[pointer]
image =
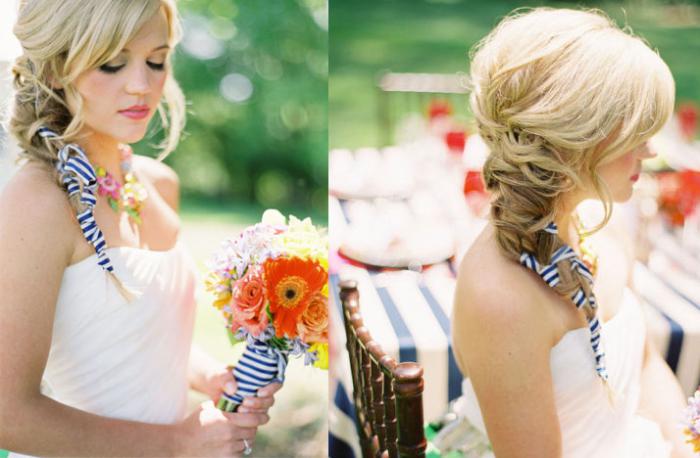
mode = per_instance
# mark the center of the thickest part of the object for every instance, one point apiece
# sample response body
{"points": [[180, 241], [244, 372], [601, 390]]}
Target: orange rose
{"points": [[248, 303], [313, 324]]}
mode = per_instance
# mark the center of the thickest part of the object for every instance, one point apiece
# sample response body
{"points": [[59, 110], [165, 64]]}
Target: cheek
{"points": [[96, 90], [159, 82]]}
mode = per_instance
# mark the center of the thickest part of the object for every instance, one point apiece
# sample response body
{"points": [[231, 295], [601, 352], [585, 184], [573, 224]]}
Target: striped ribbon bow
{"points": [[259, 366], [550, 275], [75, 169]]}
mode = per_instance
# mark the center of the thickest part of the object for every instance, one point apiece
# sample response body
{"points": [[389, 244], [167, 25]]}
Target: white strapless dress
{"points": [[119, 359], [590, 425]]}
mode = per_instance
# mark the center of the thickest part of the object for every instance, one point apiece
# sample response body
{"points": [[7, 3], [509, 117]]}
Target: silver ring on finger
{"points": [[248, 449]]}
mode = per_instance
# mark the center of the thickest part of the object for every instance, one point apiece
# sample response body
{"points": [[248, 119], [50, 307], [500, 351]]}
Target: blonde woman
{"points": [[551, 340], [97, 295]]}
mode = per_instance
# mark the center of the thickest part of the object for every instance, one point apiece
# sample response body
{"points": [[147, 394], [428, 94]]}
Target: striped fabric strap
{"points": [[75, 169], [550, 275], [259, 366]]}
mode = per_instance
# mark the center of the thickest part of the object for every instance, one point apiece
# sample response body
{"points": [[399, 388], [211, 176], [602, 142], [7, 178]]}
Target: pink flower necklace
{"points": [[129, 196]]}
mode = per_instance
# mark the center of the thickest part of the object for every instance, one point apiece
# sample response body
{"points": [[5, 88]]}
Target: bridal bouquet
{"points": [[692, 416], [270, 283]]}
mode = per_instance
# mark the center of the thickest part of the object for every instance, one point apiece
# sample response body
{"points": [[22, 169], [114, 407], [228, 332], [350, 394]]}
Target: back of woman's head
{"points": [[557, 93], [61, 40]]}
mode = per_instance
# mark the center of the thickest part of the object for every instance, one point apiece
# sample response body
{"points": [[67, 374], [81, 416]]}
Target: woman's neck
{"points": [[103, 151], [567, 229]]}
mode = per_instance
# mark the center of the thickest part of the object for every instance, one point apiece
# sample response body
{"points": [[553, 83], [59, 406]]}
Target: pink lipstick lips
{"points": [[136, 112]]}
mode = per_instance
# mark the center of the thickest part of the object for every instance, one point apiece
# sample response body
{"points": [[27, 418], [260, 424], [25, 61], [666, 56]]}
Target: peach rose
{"points": [[313, 323], [248, 303]]}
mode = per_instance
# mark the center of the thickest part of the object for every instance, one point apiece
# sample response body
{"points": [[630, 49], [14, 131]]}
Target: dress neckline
{"points": [[604, 325], [121, 249]]}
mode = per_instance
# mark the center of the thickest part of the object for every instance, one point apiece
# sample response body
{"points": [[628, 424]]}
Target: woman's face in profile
{"points": [[621, 174], [121, 96]]}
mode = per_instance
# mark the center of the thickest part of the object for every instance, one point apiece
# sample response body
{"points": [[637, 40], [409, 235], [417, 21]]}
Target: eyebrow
{"points": [[125, 49]]}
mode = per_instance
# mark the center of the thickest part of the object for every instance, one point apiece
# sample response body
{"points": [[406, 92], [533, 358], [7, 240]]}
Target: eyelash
{"points": [[114, 69]]}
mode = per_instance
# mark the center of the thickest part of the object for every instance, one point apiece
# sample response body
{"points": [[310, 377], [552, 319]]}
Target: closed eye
{"points": [[111, 68], [156, 66]]}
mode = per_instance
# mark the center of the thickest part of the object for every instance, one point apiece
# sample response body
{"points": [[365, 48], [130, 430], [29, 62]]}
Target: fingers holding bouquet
{"points": [[223, 382], [210, 432]]}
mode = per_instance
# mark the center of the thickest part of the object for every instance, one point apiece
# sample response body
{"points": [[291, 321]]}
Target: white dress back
{"points": [[120, 359], [590, 425]]}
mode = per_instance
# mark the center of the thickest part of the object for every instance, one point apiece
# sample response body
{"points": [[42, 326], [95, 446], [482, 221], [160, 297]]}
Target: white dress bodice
{"points": [[121, 359], [592, 426]]}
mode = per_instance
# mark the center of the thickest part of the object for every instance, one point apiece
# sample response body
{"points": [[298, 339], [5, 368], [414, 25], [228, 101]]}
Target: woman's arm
{"points": [[37, 235], [500, 341], [662, 399]]}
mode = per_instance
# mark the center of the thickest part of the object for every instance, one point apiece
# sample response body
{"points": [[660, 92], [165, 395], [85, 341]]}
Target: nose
{"points": [[138, 82], [646, 151]]}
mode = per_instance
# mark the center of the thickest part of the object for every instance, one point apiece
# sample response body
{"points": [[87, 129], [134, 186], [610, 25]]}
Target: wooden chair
{"points": [[388, 396]]}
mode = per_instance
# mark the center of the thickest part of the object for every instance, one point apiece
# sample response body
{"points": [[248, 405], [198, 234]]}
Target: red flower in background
{"points": [[688, 118], [679, 195], [473, 183], [456, 140], [439, 108]]}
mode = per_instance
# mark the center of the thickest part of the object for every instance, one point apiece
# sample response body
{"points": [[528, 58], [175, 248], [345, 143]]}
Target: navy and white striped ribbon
{"points": [[550, 275], [75, 169], [259, 366]]}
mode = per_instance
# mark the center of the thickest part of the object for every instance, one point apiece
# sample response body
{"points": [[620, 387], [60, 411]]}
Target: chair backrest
{"points": [[388, 396], [401, 93]]}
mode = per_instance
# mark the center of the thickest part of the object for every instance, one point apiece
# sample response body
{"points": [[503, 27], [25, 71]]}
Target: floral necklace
{"points": [[588, 254], [129, 196]]}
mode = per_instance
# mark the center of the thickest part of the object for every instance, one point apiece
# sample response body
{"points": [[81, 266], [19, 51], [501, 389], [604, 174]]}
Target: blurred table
{"points": [[408, 313]]}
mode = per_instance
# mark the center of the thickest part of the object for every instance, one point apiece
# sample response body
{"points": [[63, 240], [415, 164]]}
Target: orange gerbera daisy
{"points": [[291, 283]]}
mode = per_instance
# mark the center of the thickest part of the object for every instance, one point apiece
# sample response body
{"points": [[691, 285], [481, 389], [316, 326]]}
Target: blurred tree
{"points": [[255, 78]]}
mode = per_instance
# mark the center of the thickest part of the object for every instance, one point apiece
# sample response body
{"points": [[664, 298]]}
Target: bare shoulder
{"points": [[38, 234], [496, 296], [33, 208], [161, 176]]}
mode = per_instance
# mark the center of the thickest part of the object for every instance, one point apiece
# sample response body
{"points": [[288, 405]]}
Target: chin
{"points": [[622, 196], [133, 135]]}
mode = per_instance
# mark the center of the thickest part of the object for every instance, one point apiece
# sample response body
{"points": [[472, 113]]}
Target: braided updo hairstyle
{"points": [[62, 39], [556, 93]]}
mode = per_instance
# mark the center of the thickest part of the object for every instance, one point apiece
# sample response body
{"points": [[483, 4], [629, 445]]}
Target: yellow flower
{"points": [[303, 240], [321, 350], [217, 285]]}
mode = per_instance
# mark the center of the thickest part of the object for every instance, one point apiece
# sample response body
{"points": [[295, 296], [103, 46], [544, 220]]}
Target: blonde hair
{"points": [[556, 93], [62, 39]]}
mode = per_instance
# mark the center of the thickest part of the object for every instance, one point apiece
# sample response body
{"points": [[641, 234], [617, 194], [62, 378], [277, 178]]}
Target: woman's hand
{"points": [[210, 432], [222, 381], [217, 382]]}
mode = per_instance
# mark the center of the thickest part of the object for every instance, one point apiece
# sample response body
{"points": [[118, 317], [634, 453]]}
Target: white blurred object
{"points": [[370, 173], [390, 234], [411, 128], [9, 46], [475, 153], [673, 149]]}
